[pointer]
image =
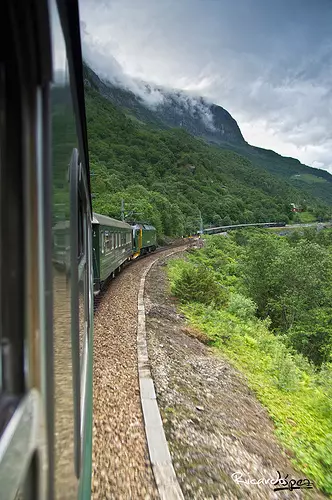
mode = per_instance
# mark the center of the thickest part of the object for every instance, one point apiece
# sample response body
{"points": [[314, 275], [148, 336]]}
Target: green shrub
{"points": [[313, 337], [285, 372], [241, 306], [197, 283]]}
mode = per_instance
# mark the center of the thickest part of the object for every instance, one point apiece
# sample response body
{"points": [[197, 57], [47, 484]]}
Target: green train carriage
{"points": [[112, 247], [46, 288]]}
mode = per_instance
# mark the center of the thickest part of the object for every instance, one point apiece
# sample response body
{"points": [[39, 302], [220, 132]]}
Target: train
{"points": [[46, 335], [115, 243], [220, 229]]}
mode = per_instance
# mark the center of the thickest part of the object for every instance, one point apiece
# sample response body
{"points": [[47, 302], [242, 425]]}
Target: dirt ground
{"points": [[214, 424]]}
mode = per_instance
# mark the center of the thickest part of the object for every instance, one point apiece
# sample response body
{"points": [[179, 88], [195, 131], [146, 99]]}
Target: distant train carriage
{"points": [[112, 246], [144, 239]]}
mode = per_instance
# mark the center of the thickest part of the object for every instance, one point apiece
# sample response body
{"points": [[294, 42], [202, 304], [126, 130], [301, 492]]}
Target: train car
{"points": [[112, 247], [144, 239], [46, 318], [217, 230]]}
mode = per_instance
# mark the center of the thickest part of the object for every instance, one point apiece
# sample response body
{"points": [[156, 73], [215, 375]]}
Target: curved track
{"points": [[121, 465]]}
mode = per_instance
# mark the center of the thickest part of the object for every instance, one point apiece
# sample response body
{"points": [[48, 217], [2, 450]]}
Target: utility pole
{"points": [[129, 213]]}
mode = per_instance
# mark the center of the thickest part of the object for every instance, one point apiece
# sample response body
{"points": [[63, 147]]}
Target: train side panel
{"points": [[144, 239], [96, 254], [112, 246], [46, 286], [72, 283], [149, 237]]}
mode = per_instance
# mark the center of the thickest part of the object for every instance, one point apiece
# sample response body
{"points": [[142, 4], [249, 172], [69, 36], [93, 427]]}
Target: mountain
{"points": [[156, 105], [164, 108], [172, 178]]}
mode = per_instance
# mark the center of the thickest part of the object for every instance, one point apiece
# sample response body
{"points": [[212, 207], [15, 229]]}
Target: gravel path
{"points": [[213, 422], [120, 460]]}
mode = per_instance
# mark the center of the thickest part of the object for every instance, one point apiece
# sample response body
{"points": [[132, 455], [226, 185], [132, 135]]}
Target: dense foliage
{"points": [[168, 177], [274, 322]]}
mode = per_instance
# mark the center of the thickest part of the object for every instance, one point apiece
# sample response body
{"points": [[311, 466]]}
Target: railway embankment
{"points": [[221, 438]]}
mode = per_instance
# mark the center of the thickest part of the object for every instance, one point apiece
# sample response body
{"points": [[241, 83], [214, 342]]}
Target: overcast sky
{"points": [[268, 62]]}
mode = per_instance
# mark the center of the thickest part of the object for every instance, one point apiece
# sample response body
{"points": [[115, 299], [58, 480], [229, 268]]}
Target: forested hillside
{"points": [[167, 176], [161, 108]]}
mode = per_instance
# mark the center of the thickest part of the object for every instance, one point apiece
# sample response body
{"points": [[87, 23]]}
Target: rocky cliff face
{"points": [[198, 117], [171, 109]]}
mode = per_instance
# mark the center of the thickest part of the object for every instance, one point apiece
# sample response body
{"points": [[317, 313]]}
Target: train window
{"points": [[12, 226], [107, 242], [80, 294], [102, 243]]}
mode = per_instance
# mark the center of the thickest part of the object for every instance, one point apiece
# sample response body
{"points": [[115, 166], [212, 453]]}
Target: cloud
{"points": [[97, 55], [268, 63]]}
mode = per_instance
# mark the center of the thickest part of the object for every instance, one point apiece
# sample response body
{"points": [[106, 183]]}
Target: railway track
{"points": [[120, 457], [99, 295]]}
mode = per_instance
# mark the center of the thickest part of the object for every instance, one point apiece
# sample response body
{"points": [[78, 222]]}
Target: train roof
{"points": [[108, 221], [143, 226]]}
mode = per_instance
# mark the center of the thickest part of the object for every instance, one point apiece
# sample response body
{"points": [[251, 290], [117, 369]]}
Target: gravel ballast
{"points": [[120, 459]]}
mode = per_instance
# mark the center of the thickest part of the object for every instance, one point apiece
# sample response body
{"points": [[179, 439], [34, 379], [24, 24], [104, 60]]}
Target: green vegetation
{"points": [[270, 314], [309, 178], [317, 182], [227, 135], [168, 177], [304, 217]]}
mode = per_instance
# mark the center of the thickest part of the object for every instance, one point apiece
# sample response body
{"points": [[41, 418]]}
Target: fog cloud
{"points": [[268, 63]]}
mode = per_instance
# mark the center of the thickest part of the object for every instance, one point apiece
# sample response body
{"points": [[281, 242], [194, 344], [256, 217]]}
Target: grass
{"points": [[306, 217], [300, 410], [297, 400]]}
